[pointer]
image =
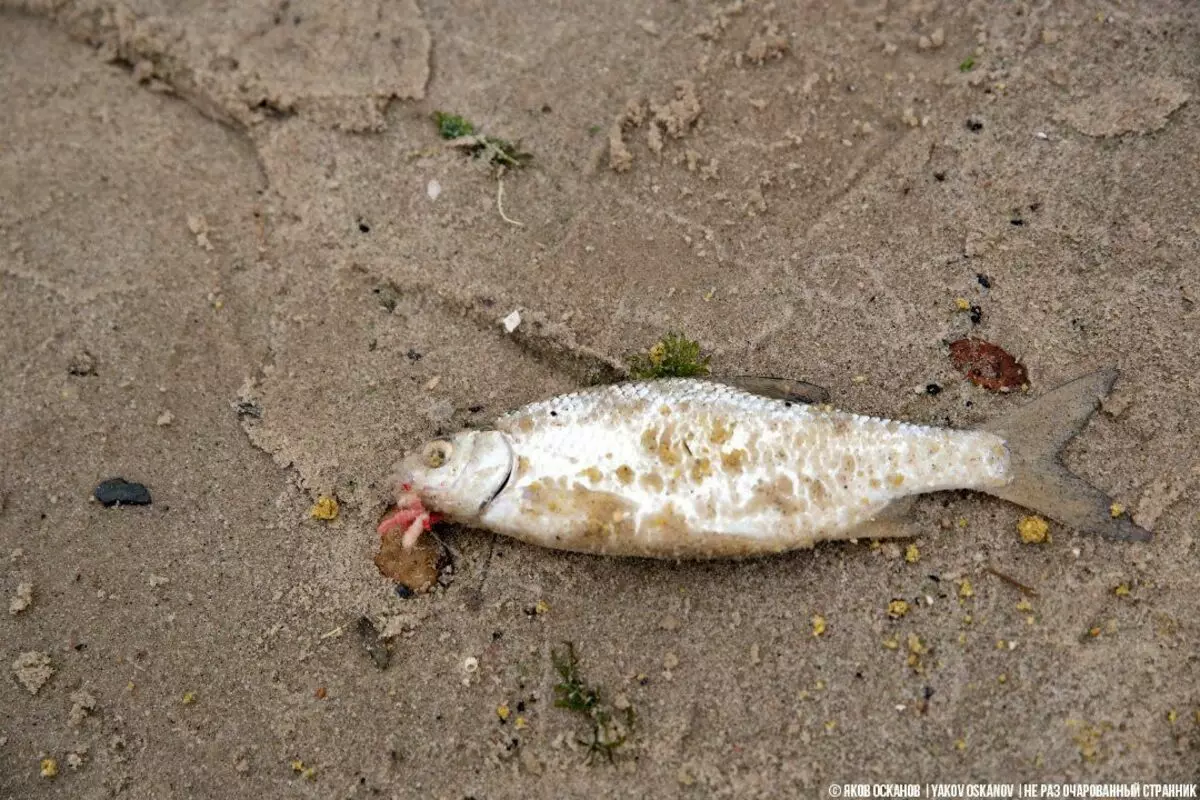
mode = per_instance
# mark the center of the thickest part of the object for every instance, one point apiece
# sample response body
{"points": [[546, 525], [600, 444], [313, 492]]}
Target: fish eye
{"points": [[437, 453]]}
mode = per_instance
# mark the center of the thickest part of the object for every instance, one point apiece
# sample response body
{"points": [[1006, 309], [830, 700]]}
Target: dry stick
{"points": [[1029, 590]]}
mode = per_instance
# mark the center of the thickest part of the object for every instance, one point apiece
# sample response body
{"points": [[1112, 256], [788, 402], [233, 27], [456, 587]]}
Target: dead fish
{"points": [[691, 469]]}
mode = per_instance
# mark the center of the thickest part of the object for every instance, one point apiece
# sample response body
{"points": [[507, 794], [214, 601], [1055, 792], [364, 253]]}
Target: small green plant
{"points": [[674, 357], [573, 694], [499, 152], [452, 126], [967, 64]]}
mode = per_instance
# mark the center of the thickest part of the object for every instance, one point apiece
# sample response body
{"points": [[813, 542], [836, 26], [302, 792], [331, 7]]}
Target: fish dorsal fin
{"points": [[776, 388]]}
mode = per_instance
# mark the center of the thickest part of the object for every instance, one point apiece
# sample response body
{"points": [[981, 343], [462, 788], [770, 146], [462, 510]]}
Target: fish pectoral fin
{"points": [[895, 521], [776, 388]]}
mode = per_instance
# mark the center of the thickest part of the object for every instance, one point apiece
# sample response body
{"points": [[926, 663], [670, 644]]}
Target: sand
{"points": [[238, 265]]}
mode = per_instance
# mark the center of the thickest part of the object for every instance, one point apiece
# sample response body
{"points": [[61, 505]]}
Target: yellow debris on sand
{"points": [[1033, 530], [326, 508]]}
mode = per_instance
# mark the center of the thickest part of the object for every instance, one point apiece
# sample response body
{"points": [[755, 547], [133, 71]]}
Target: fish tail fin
{"points": [[1035, 435]]}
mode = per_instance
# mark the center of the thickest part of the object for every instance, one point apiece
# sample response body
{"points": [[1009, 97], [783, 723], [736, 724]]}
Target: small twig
{"points": [[468, 142], [500, 200], [335, 632], [1029, 590]]}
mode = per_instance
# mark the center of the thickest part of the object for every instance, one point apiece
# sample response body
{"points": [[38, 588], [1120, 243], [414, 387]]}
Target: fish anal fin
{"points": [[792, 391], [895, 521]]}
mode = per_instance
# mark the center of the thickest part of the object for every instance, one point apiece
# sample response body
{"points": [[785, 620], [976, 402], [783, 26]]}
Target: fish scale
{"points": [[692, 468]]}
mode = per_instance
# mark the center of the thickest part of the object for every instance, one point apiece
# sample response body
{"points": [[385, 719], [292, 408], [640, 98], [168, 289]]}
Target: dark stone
{"points": [[976, 314], [118, 491], [933, 390], [984, 280], [245, 408]]}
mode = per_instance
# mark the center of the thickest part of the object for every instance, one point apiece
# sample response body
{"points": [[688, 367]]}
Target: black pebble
{"points": [[976, 315], [974, 125], [984, 280], [364, 227], [247, 409], [413, 355], [403, 592], [933, 390], [475, 409], [118, 491], [939, 176]]}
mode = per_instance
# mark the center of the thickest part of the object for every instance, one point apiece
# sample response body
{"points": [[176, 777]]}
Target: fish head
{"points": [[458, 475]]}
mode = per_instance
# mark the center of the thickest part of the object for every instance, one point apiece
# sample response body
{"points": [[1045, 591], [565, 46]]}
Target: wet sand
{"points": [[239, 266]]}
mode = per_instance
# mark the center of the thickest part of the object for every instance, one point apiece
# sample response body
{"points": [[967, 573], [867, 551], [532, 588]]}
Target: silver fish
{"points": [[689, 469]]}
